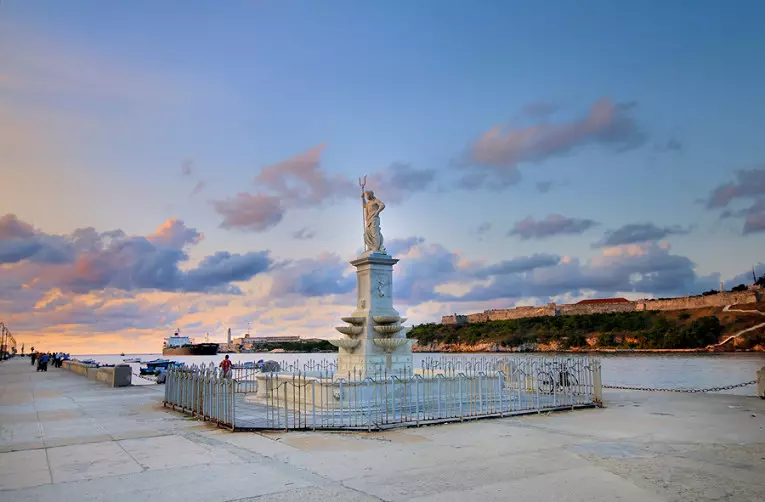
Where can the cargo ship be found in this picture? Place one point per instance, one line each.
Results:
(178, 345)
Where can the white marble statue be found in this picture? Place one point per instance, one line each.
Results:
(373, 239)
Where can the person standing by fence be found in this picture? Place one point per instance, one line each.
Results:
(225, 365)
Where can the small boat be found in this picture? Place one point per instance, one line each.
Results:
(154, 367)
(132, 360)
(122, 354)
(159, 363)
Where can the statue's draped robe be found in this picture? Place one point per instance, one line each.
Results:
(372, 235)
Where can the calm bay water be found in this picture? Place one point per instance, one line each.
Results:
(635, 370)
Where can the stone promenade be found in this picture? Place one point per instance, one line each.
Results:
(64, 437)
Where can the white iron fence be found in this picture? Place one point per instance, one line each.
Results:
(443, 390)
(201, 392)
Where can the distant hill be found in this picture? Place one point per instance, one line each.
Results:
(648, 330)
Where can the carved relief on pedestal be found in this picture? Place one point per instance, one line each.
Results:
(383, 287)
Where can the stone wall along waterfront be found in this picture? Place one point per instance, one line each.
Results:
(114, 376)
(552, 309)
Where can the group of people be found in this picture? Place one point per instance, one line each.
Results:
(43, 358)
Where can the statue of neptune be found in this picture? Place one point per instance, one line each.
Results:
(373, 239)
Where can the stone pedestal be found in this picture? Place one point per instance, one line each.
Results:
(376, 343)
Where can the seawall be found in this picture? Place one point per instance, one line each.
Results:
(552, 309)
(114, 376)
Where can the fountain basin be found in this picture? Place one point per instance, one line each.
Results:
(346, 343)
(386, 319)
(350, 330)
(389, 344)
(388, 329)
(354, 320)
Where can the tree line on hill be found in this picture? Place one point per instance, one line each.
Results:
(639, 330)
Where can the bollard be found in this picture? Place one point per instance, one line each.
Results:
(761, 383)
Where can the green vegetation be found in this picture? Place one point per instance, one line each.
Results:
(645, 330)
(306, 346)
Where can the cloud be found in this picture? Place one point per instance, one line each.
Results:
(518, 265)
(297, 182)
(174, 234)
(303, 234)
(483, 227)
(402, 246)
(551, 225)
(544, 186)
(496, 154)
(217, 271)
(482, 231)
(87, 260)
(100, 314)
(432, 273)
(638, 232)
(754, 221)
(20, 241)
(187, 167)
(429, 280)
(201, 184)
(647, 269)
(671, 145)
(325, 275)
(399, 181)
(13, 228)
(301, 182)
(248, 212)
(750, 183)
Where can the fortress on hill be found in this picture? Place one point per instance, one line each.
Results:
(608, 306)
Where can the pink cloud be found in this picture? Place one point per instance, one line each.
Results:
(175, 234)
(500, 150)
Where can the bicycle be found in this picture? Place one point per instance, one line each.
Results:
(560, 378)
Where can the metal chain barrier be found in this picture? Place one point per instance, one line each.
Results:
(691, 391)
(145, 377)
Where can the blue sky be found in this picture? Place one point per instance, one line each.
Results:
(624, 113)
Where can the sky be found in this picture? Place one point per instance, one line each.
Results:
(194, 165)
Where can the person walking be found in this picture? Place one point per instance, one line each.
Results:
(42, 364)
(225, 365)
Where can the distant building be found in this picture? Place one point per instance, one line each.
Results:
(267, 340)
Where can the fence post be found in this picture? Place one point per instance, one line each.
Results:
(233, 403)
(500, 381)
(597, 383)
(313, 404)
(417, 399)
(462, 411)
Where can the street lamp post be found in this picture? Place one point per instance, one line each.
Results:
(3, 337)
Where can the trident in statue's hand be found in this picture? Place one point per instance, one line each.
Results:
(363, 184)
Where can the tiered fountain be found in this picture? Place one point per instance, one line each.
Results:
(375, 340)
